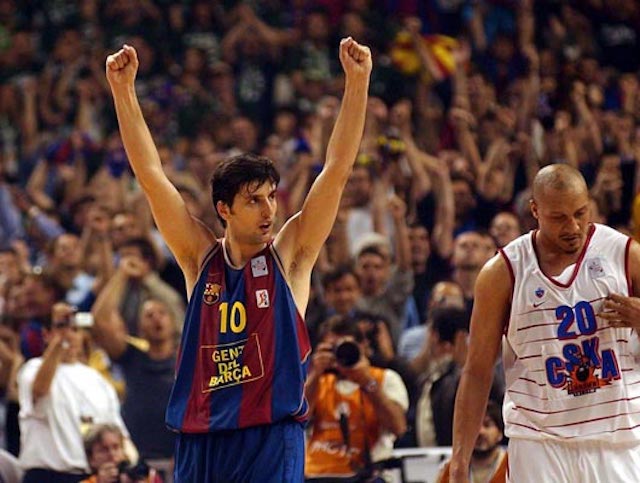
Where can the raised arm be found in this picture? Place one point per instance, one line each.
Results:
(186, 236)
(490, 313)
(110, 330)
(301, 238)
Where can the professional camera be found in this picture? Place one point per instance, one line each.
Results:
(347, 353)
(138, 472)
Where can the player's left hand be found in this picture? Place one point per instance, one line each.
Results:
(621, 311)
(355, 58)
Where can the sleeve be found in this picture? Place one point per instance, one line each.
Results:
(26, 376)
(394, 388)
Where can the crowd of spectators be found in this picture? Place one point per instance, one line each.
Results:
(468, 99)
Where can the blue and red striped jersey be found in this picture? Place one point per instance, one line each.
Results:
(244, 350)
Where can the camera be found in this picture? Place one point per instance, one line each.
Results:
(83, 320)
(138, 472)
(347, 353)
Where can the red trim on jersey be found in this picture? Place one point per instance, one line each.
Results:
(532, 381)
(627, 268)
(512, 275)
(576, 269)
(524, 408)
(536, 325)
(256, 402)
(528, 394)
(594, 420)
(198, 410)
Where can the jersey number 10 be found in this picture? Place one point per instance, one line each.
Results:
(236, 319)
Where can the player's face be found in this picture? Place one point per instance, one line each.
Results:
(563, 218)
(252, 214)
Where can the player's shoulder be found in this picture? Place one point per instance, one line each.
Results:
(605, 232)
(497, 274)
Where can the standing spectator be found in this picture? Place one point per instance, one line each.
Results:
(149, 374)
(471, 250)
(143, 282)
(504, 228)
(387, 287)
(60, 398)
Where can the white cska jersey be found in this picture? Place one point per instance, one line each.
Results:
(569, 375)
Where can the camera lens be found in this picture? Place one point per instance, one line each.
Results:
(347, 353)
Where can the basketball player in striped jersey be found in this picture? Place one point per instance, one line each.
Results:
(572, 401)
(238, 400)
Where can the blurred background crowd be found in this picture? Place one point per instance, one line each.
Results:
(468, 99)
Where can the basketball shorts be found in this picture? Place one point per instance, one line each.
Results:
(546, 461)
(270, 453)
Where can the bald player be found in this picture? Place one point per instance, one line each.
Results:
(572, 405)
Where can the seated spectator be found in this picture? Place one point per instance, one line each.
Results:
(60, 398)
(104, 446)
(489, 460)
(357, 410)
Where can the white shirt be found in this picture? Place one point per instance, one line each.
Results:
(51, 429)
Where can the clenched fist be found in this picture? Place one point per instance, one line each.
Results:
(355, 58)
(122, 67)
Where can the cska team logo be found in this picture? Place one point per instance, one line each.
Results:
(583, 380)
(211, 293)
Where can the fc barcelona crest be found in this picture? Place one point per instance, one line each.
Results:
(211, 293)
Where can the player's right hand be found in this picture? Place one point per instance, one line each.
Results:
(122, 67)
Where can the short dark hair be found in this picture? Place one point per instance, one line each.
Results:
(342, 326)
(147, 250)
(232, 174)
(447, 321)
(337, 273)
(494, 411)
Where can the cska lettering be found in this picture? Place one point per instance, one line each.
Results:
(576, 370)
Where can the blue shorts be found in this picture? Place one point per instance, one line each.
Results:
(270, 453)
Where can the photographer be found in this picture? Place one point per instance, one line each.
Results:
(104, 447)
(60, 398)
(356, 410)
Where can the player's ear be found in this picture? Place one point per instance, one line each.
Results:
(223, 210)
(534, 208)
